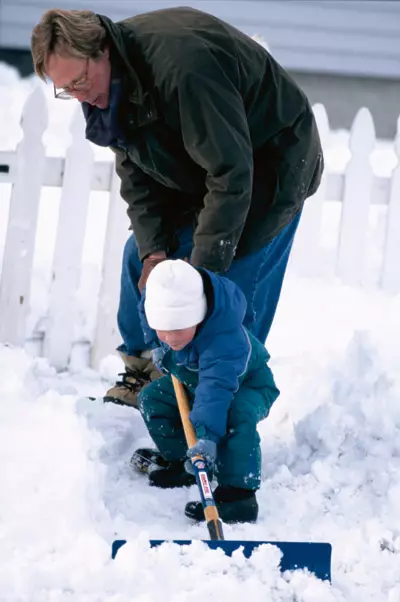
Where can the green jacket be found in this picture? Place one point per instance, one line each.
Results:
(217, 135)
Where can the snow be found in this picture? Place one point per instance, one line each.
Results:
(331, 461)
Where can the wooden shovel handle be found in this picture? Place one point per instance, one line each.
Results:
(211, 515)
(184, 411)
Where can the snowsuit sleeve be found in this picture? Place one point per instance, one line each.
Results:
(222, 360)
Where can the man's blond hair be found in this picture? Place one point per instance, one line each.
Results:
(75, 33)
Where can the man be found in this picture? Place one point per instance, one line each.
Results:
(216, 147)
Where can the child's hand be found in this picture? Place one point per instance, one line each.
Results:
(205, 448)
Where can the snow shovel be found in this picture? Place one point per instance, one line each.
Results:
(315, 557)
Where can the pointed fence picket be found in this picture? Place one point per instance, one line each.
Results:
(356, 200)
(306, 256)
(28, 169)
(390, 269)
(75, 195)
(106, 335)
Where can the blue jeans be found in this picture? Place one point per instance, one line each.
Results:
(259, 275)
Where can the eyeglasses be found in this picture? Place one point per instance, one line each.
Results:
(82, 84)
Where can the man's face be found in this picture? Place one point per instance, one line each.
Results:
(87, 80)
(177, 339)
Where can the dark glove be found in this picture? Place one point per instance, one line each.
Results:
(205, 448)
(149, 263)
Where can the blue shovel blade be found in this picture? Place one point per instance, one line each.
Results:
(315, 557)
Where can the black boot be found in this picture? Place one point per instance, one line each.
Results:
(162, 473)
(234, 505)
(146, 460)
(173, 476)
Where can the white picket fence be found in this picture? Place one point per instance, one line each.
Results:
(28, 169)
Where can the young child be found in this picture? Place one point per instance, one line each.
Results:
(198, 319)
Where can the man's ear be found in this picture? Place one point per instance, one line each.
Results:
(106, 52)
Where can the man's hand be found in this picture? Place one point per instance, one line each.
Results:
(149, 263)
(205, 448)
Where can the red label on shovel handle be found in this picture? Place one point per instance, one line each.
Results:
(205, 485)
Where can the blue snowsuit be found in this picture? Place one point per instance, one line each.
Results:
(230, 386)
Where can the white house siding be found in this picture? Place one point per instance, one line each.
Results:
(325, 36)
(344, 53)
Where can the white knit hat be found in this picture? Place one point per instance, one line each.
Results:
(175, 296)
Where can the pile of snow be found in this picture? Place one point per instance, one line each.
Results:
(67, 491)
(331, 472)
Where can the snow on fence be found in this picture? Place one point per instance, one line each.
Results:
(28, 169)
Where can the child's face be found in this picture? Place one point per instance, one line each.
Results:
(177, 339)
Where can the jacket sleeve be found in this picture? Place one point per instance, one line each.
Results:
(146, 209)
(221, 363)
(216, 136)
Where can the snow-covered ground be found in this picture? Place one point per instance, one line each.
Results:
(331, 454)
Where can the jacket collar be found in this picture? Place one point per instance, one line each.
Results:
(124, 44)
